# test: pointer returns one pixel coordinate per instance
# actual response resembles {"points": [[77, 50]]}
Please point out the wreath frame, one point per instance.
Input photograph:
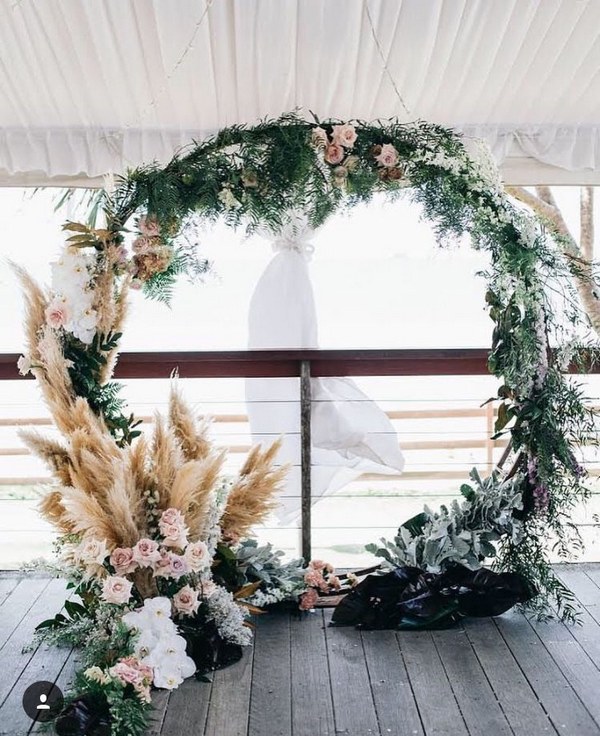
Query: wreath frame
{"points": [[253, 175]]}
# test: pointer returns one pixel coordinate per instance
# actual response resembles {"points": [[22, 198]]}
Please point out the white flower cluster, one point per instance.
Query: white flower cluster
{"points": [[159, 645], [483, 163], [228, 617], [72, 306]]}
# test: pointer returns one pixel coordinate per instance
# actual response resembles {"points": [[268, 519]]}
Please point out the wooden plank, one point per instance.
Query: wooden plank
{"points": [[557, 697], [21, 599], [517, 700], [353, 706], [582, 584], [312, 711], [395, 703], [45, 664], [63, 681], [160, 703], [435, 699], [472, 691], [7, 585], [14, 659], [574, 662], [186, 709], [229, 701], [271, 696]]}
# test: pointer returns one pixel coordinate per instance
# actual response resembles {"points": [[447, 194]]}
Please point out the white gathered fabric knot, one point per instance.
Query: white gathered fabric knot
{"points": [[294, 243]]}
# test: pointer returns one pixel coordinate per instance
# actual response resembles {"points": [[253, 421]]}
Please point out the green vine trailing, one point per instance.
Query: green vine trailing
{"points": [[253, 176]]}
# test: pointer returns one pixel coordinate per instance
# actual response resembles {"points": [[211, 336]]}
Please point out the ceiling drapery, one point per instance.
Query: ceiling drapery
{"points": [[92, 87]]}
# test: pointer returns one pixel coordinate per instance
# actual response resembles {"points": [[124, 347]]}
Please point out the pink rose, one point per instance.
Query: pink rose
{"points": [[116, 589], [174, 535], [197, 556], [334, 153], [146, 553], [388, 156], [308, 599], [125, 673], [319, 138], [186, 601], [207, 588], [122, 560], [57, 314], [172, 516], [148, 225], [315, 580], [142, 245], [334, 582], [162, 566], [179, 566], [344, 135]]}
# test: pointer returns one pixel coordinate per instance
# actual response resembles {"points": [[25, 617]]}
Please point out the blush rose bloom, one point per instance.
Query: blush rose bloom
{"points": [[174, 535], [146, 553], [334, 582], [172, 516], [162, 566], [207, 588], [149, 226], [197, 556], [92, 551], [57, 314], [179, 566], [308, 599], [116, 589], [388, 156], [142, 245], [186, 601], [122, 560], [334, 154], [316, 580], [344, 135]]}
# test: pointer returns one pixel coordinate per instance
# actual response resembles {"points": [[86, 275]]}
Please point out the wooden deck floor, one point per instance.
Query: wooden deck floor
{"points": [[492, 677]]}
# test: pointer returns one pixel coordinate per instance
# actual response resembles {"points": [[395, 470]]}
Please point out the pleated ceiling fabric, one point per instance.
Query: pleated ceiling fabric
{"points": [[91, 86]]}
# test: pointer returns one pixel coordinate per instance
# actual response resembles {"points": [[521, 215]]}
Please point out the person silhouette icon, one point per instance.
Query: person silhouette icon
{"points": [[43, 705]]}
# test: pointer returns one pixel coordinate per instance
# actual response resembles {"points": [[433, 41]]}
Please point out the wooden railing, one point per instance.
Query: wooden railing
{"points": [[304, 364]]}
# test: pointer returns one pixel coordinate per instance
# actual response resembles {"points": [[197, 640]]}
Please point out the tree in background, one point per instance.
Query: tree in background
{"points": [[579, 253]]}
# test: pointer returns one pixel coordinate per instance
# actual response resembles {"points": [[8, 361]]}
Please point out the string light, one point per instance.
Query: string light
{"points": [[384, 61]]}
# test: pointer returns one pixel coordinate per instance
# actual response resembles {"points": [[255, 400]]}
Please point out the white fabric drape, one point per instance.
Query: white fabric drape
{"points": [[351, 435]]}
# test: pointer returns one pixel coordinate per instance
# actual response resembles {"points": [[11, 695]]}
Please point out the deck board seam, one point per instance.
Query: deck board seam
{"points": [[410, 684], [565, 674], [460, 710]]}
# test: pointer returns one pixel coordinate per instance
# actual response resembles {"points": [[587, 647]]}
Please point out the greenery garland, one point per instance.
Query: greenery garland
{"points": [[256, 175]]}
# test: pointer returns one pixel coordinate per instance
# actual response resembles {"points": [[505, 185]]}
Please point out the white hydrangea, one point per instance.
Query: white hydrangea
{"points": [[228, 617]]}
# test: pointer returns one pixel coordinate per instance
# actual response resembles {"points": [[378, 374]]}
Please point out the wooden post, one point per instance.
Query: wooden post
{"points": [[305, 457]]}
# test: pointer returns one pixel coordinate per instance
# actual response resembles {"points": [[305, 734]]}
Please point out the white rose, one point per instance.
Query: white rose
{"points": [[116, 589], [92, 551]]}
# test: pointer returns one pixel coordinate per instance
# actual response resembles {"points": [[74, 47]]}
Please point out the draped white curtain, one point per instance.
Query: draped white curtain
{"points": [[351, 435]]}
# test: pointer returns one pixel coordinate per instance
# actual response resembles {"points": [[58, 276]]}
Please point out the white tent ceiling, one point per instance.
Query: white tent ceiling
{"points": [[91, 86]]}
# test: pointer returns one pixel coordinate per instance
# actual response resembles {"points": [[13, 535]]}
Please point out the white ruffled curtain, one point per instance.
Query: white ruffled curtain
{"points": [[351, 435]]}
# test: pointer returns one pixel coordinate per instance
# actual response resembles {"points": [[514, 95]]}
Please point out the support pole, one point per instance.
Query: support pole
{"points": [[305, 457]]}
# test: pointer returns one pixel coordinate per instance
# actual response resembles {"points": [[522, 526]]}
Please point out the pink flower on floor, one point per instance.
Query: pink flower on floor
{"points": [[174, 535], [172, 516], [186, 601], [122, 560], [162, 566], [334, 582], [315, 580], [116, 589], [146, 553], [57, 314], [344, 135], [308, 599], [388, 156], [334, 154]]}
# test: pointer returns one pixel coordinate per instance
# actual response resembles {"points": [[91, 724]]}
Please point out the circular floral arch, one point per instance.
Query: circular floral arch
{"points": [[255, 176]]}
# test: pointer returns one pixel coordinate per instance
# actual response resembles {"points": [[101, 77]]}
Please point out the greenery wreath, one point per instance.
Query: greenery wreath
{"points": [[255, 176]]}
